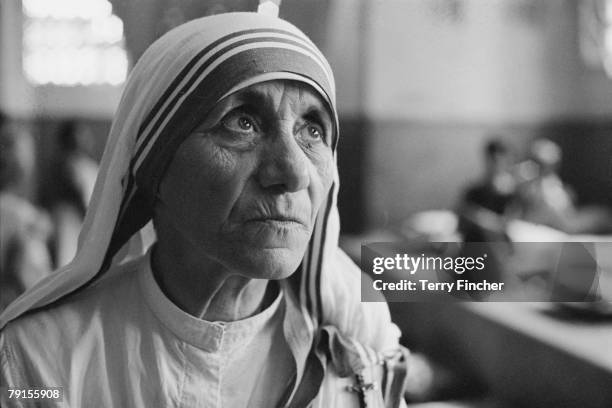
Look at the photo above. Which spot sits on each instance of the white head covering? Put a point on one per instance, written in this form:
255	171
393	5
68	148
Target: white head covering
174	84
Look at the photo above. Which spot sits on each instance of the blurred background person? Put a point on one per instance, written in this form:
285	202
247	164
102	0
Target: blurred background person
546	199
487	204
486	207
73	175
24	229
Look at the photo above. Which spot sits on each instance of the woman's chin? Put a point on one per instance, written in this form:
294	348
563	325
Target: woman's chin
268	263
265	250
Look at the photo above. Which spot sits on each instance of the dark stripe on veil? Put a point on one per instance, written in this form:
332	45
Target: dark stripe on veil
194	77
318	270
175	83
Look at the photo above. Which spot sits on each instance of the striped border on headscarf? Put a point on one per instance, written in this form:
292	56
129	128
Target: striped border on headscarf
208	60
216	50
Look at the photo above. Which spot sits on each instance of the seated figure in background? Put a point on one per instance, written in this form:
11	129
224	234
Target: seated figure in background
24	229
487	204
70	186
485	210
546	199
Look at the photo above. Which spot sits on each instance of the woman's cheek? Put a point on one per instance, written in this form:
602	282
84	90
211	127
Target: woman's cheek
321	180
220	164
324	164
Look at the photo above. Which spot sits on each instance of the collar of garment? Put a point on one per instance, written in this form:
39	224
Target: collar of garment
209	336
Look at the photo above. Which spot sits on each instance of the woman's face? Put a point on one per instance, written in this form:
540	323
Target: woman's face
245	187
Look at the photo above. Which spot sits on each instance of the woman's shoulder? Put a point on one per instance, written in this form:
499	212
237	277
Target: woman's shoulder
52	346
63	324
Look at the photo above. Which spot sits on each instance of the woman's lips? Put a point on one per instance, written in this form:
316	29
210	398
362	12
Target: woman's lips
279	220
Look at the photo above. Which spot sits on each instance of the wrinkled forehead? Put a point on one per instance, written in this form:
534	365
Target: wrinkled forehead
184	74
280	96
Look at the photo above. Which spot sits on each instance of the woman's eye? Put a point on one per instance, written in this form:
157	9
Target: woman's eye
239	122
313	132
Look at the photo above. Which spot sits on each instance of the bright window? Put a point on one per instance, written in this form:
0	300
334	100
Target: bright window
73	42
608	38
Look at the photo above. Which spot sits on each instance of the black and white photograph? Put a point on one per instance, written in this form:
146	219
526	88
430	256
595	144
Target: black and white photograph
306	203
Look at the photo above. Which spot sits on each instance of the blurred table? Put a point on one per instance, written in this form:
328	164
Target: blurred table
529	354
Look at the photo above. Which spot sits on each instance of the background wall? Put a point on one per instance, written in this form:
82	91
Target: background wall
439	76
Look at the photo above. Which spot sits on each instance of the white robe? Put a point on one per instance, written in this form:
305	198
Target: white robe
123	343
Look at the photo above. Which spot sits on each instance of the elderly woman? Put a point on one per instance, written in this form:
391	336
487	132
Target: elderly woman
225	138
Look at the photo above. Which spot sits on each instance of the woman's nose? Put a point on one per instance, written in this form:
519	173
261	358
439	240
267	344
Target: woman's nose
283	165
